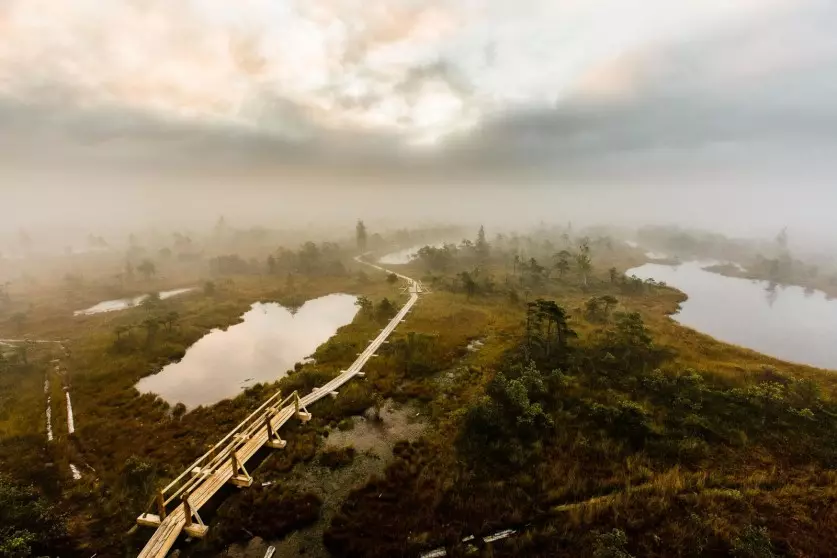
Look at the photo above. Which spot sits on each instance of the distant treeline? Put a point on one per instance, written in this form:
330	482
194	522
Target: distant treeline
310	259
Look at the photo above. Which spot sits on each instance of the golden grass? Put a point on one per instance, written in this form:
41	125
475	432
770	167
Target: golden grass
113	423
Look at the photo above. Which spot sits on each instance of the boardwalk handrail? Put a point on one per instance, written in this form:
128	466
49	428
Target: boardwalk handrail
224	439
216	458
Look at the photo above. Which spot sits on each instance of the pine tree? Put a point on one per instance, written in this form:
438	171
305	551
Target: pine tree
482	248
361	236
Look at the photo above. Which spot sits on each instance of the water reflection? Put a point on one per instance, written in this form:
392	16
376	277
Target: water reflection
123	303
262	348
787	322
772	292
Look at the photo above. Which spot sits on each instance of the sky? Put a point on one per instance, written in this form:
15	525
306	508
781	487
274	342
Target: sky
131	108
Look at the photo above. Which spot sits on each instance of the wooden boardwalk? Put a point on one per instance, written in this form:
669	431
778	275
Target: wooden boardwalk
226	461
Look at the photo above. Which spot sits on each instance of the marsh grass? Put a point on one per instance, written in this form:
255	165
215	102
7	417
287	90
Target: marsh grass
628	447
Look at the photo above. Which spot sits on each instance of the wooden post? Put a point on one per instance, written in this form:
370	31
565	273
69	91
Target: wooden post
197	530
273	439
161	505
187	509
240	477
303	415
267	417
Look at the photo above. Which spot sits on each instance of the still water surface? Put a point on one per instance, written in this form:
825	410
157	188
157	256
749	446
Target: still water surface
123	303
789	323
262	348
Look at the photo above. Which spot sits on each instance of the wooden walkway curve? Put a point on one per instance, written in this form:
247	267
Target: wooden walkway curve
225	462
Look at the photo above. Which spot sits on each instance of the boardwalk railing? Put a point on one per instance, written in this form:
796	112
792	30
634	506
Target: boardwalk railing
226	452
177	504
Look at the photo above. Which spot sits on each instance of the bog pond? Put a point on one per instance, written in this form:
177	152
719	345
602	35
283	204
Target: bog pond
262	348
123	303
786	322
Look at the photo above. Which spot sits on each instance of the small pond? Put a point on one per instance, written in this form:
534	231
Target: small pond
790	323
123	303
262	348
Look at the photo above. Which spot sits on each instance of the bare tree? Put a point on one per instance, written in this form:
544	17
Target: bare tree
584	265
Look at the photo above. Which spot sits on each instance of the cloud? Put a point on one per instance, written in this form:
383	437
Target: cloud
426	89
203	59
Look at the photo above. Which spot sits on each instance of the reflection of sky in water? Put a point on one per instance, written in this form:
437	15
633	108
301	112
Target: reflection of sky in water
123	303
404	256
784	322
262	348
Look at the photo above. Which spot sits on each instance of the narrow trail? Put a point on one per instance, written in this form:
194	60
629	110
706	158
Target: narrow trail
71	426
65	381
11	342
506	533
49	435
666	483
62	374
71	423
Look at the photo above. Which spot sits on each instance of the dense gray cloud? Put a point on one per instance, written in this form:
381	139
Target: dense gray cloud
594	92
765	87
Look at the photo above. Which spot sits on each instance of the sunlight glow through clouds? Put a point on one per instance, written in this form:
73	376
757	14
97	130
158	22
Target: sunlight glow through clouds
345	64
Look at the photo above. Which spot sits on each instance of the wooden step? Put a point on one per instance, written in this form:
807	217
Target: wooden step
195	530
149	520
242	481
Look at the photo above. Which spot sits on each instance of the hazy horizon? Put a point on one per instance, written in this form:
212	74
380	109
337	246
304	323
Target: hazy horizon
145	113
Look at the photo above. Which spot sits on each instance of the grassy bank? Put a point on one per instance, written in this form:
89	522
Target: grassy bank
637	436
